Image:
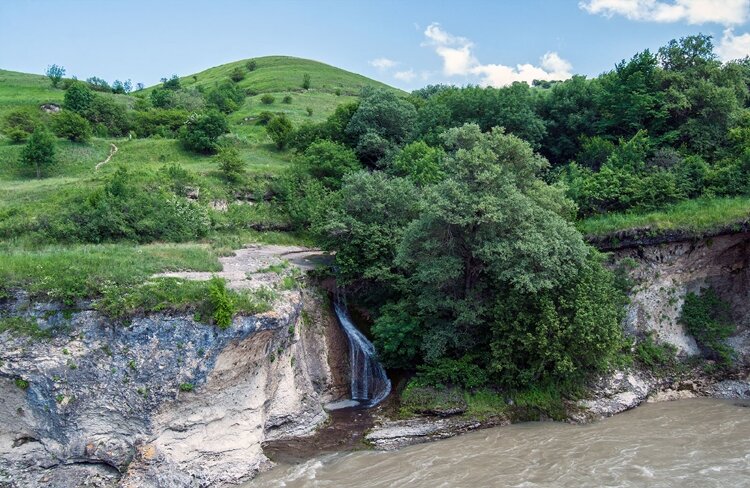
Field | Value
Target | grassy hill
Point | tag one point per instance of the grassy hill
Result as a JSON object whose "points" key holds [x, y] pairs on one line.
{"points": [[37, 264], [284, 73]]}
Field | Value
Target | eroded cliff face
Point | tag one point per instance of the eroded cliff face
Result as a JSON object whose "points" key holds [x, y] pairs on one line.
{"points": [[664, 274], [104, 404]]}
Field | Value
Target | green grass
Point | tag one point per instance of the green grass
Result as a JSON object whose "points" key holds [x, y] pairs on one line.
{"points": [[69, 273], [24, 89], [284, 73], [700, 215]]}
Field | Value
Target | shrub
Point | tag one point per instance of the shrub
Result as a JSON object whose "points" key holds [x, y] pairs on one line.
{"points": [[22, 383], [306, 81], [222, 305], [230, 163], [201, 131], [251, 65], [265, 117], [109, 115], [72, 126], [39, 151], [287, 99], [165, 123], [237, 75], [419, 399], [78, 98], [707, 319], [172, 83], [463, 372], [267, 99], [654, 355], [162, 98], [280, 130], [126, 209], [98, 84], [19, 124], [309, 111], [186, 387], [225, 97]]}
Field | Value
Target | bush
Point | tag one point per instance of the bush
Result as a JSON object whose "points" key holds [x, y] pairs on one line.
{"points": [[251, 65], [172, 83], [98, 84], [222, 305], [654, 355], [39, 151], [225, 97], [267, 99], [464, 373], [265, 117], [280, 130], [237, 75], [419, 399], [707, 318], [230, 163], [19, 124], [72, 126], [127, 210], [108, 115], [162, 98], [186, 387], [306, 81], [165, 123], [309, 111], [201, 131], [78, 98], [287, 99]]}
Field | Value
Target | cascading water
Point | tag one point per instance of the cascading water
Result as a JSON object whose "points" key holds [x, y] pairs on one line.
{"points": [[370, 384]]}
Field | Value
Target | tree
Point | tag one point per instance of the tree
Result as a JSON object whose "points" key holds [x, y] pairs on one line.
{"points": [[306, 81], [280, 130], [230, 163], [72, 126], [251, 65], [19, 124], [172, 83], [162, 98], [55, 74], [420, 163], [383, 113], [328, 162], [39, 151], [78, 97], [201, 131]]}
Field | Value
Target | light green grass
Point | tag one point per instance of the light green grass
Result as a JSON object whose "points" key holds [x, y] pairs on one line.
{"points": [[700, 215], [69, 273], [24, 89], [284, 73]]}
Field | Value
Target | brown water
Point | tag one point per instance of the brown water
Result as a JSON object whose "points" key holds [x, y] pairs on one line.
{"points": [[691, 443]]}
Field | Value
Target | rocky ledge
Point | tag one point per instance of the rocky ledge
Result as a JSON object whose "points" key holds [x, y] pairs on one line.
{"points": [[163, 401]]}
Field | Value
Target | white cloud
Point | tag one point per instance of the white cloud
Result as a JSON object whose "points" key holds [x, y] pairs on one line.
{"points": [[383, 63], [406, 76], [459, 60], [733, 47], [725, 12]]}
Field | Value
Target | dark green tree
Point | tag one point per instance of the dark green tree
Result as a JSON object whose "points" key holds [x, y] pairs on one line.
{"points": [[39, 151]]}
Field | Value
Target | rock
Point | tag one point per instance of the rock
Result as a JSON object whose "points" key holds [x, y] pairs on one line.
{"points": [[104, 404], [613, 394], [50, 108], [395, 434]]}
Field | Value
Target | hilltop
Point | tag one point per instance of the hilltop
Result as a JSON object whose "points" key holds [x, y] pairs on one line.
{"points": [[273, 74]]}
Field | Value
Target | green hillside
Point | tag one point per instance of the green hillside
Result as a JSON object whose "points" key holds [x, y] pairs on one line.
{"points": [[285, 73]]}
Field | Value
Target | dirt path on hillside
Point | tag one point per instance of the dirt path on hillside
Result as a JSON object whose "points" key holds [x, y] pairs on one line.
{"points": [[111, 153], [257, 265]]}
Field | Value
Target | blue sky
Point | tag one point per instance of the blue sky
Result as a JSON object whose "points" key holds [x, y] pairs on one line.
{"points": [[407, 43]]}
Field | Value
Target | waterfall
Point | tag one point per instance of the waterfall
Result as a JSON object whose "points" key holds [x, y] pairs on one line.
{"points": [[370, 384]]}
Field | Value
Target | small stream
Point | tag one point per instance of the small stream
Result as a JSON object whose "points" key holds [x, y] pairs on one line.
{"points": [[699, 443]]}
